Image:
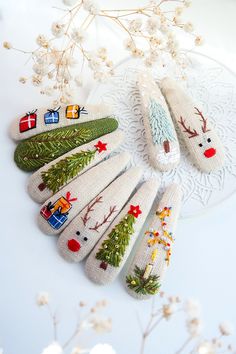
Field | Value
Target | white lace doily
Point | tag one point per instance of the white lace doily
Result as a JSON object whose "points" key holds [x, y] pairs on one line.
{"points": [[214, 86]]}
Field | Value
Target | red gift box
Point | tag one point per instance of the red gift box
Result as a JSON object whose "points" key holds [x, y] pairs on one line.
{"points": [[45, 212], [28, 121]]}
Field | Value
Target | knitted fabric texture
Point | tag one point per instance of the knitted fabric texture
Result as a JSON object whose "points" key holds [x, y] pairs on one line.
{"points": [[81, 235], [152, 257], [161, 137], [41, 120], [200, 137], [43, 148], [52, 177], [59, 210], [111, 252]]}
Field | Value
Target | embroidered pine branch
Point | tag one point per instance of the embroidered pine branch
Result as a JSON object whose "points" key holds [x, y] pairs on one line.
{"points": [[105, 219], [113, 248], [66, 169], [204, 120], [40, 149], [192, 133], [141, 285], [162, 131], [89, 209]]}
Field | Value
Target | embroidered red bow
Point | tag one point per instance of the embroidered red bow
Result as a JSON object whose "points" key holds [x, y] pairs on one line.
{"points": [[68, 197]]}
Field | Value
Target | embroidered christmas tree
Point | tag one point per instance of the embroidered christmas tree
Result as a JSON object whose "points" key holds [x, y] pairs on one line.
{"points": [[113, 248], [68, 168], [43, 148], [162, 130], [143, 285]]}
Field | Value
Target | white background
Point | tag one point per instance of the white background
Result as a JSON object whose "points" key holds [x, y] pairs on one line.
{"points": [[203, 263]]}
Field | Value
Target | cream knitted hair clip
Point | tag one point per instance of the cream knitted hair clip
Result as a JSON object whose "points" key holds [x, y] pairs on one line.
{"points": [[50, 178], [109, 255], [152, 257], [162, 142], [81, 235], [43, 148], [43, 119], [61, 208], [200, 137]]}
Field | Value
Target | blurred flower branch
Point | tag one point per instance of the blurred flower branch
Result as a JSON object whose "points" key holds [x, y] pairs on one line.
{"points": [[59, 61]]}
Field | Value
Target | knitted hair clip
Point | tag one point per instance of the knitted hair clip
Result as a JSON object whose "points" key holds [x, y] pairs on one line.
{"points": [[81, 235], [162, 142], [41, 120], [63, 206], [200, 137], [152, 257], [50, 178], [110, 254], [38, 150]]}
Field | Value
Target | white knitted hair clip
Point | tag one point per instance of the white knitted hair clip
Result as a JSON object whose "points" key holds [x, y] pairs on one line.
{"points": [[200, 137], [109, 255], [162, 142], [63, 206], [81, 235], [41, 120], [52, 177], [152, 257]]}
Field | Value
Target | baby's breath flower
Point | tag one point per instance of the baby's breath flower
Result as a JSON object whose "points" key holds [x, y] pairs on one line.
{"points": [[48, 91], [137, 53], [153, 24], [37, 80], [194, 327], [187, 3], [42, 299], [22, 80], [135, 25], [53, 348], [129, 44], [188, 27], [91, 6], [226, 328], [206, 348], [40, 69], [179, 11], [78, 350], [168, 310], [7, 45], [102, 348], [57, 29], [102, 53], [192, 308], [42, 41], [199, 41], [78, 35], [101, 325]]}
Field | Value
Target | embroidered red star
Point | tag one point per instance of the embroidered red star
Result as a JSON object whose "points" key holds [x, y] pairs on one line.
{"points": [[100, 146], [135, 210]]}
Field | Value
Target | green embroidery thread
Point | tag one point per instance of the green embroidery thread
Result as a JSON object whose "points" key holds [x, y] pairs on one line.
{"points": [[162, 130], [66, 169], [113, 249], [40, 149], [141, 285]]}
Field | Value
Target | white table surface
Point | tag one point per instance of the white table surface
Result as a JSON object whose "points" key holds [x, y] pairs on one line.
{"points": [[203, 263]]}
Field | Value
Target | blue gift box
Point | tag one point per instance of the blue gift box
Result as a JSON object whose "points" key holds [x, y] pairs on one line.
{"points": [[57, 219], [51, 116]]}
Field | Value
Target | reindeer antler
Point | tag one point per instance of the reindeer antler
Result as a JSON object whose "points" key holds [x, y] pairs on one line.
{"points": [[204, 120], [192, 133]]}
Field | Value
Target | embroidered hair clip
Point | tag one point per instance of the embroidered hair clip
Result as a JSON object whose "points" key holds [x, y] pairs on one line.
{"points": [[162, 142], [200, 137], [112, 250], [59, 210], [152, 257], [35, 152], [43, 119], [50, 178], [81, 235]]}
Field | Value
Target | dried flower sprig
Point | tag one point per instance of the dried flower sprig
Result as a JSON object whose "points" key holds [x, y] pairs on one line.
{"points": [[172, 305], [151, 32]]}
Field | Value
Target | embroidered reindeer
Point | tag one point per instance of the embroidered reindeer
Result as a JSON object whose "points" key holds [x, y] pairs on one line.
{"points": [[192, 133]]}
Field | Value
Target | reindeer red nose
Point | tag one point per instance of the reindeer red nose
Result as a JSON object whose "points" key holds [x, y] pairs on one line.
{"points": [[73, 245], [210, 152]]}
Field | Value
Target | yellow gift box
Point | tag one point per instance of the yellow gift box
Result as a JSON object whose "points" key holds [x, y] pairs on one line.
{"points": [[72, 111], [63, 204]]}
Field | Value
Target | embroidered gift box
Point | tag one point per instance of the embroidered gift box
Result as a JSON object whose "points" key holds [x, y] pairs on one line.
{"points": [[28, 121], [51, 116], [45, 212], [74, 111], [62, 203], [57, 219]]}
